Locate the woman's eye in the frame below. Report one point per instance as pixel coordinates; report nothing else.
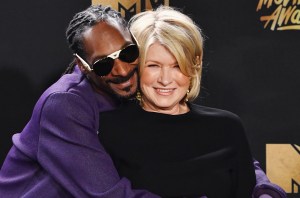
(152, 65)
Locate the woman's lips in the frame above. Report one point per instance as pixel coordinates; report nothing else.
(164, 91)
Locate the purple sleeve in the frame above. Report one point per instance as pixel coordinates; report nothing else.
(71, 153)
(264, 186)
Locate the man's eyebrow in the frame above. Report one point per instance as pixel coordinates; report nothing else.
(103, 56)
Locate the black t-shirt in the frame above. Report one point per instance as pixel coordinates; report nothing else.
(202, 152)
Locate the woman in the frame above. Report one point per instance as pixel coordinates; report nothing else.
(168, 145)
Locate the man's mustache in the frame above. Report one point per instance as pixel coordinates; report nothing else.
(121, 79)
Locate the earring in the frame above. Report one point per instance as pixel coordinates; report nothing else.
(138, 96)
(186, 97)
(198, 63)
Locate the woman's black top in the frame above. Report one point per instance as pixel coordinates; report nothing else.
(202, 152)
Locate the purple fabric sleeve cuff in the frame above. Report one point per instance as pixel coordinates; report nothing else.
(265, 188)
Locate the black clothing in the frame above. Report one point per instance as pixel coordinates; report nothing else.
(202, 152)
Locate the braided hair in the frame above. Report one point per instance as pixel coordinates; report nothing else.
(84, 20)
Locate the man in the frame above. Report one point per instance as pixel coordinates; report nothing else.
(58, 153)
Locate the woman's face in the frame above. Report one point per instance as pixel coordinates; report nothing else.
(162, 83)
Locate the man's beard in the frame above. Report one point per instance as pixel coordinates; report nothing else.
(118, 80)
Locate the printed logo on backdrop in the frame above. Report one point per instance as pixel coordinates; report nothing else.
(128, 8)
(279, 14)
(283, 166)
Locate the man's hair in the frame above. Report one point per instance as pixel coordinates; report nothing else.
(178, 33)
(86, 19)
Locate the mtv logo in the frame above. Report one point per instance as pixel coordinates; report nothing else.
(283, 166)
(128, 8)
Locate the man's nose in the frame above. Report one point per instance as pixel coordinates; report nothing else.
(120, 68)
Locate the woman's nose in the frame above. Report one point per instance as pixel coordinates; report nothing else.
(165, 77)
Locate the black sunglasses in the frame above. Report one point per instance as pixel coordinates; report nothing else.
(103, 66)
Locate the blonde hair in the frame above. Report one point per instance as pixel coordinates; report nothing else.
(178, 33)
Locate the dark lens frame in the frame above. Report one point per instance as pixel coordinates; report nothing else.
(104, 67)
(129, 54)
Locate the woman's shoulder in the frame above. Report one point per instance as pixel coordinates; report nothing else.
(226, 124)
(210, 112)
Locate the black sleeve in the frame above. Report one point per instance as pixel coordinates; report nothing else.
(245, 169)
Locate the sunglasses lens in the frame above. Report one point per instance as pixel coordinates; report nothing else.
(129, 54)
(103, 67)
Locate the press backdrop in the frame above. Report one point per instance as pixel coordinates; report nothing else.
(251, 67)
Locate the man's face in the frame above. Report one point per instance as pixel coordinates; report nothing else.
(100, 41)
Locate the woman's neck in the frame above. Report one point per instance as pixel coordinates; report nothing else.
(180, 108)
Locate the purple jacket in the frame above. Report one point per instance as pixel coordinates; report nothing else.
(58, 153)
(264, 186)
